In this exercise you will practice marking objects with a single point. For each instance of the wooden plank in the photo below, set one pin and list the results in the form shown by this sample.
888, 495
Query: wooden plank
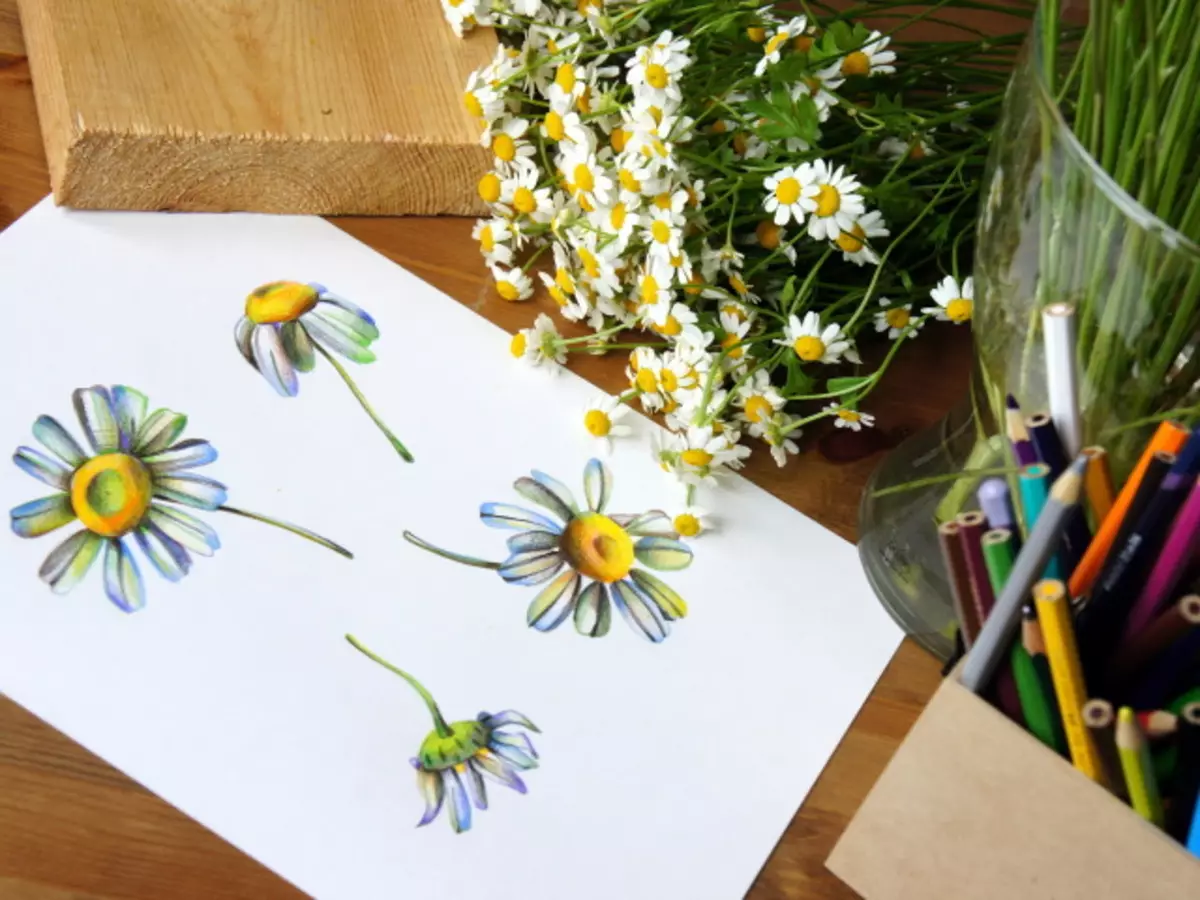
266, 105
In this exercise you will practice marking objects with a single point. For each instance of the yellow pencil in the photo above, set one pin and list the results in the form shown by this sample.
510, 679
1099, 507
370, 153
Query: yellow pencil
1134, 751
1054, 614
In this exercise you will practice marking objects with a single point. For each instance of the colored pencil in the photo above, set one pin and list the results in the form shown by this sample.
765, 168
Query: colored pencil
1034, 482
1047, 443
1169, 438
1098, 484
992, 644
1062, 378
1034, 646
1018, 435
1054, 613
1157, 723
1193, 838
996, 502
1155, 638
1178, 550
1186, 783
1192, 695
1100, 720
960, 583
998, 555
1138, 768
970, 535
1156, 470
1049, 446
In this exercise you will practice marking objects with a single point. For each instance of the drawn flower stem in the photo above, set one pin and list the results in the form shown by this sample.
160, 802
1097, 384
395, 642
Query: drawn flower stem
439, 723
287, 526
358, 395
446, 554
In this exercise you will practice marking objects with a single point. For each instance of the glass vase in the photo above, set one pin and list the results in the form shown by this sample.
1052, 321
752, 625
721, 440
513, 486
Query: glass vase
1053, 228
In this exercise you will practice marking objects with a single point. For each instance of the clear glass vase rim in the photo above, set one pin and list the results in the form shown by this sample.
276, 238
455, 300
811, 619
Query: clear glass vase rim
1120, 198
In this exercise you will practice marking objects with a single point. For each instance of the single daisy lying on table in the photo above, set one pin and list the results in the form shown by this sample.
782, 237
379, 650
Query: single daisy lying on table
134, 485
287, 324
594, 549
455, 757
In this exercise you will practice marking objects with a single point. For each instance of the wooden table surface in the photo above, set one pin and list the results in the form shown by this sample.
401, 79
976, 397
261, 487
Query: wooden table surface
74, 828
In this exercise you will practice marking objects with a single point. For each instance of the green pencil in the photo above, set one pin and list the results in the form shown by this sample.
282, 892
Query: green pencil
1035, 688
998, 556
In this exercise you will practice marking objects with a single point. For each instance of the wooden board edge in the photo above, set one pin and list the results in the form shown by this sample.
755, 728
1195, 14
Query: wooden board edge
49, 90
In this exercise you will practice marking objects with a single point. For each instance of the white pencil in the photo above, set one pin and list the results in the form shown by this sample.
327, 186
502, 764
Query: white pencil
1062, 380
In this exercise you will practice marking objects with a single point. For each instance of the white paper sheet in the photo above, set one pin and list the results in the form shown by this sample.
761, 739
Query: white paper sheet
667, 770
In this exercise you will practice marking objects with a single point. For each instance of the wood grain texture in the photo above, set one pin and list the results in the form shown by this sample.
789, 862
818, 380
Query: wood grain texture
73, 828
270, 105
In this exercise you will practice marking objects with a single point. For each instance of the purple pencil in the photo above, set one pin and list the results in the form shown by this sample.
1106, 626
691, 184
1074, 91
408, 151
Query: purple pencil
1181, 544
1018, 434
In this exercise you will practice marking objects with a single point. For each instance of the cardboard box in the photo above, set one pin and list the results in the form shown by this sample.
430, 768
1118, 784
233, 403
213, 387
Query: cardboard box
972, 806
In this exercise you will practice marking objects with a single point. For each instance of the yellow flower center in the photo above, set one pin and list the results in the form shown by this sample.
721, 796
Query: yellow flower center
616, 217
487, 240
504, 147
585, 204
564, 280
582, 6
663, 200
557, 295
897, 317
686, 525
518, 344
489, 187
851, 241
279, 301
719, 127
660, 231
111, 493
524, 201
564, 77
856, 63
584, 101
809, 348
740, 143
775, 43
508, 290
657, 76
656, 114
629, 182
646, 380
597, 547
554, 126
738, 285
917, 151
695, 285
583, 178
590, 263
597, 422
474, 107
697, 458
829, 200
959, 310
730, 343
758, 408
803, 43
767, 233
756, 33
848, 415
618, 139
649, 290
735, 310
671, 327
670, 381
787, 191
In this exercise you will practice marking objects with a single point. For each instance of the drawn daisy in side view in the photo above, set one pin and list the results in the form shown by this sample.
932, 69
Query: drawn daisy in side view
597, 552
287, 324
132, 488
456, 756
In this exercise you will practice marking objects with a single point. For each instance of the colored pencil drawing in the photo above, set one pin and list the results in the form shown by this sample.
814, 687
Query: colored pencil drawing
133, 485
593, 548
288, 324
456, 756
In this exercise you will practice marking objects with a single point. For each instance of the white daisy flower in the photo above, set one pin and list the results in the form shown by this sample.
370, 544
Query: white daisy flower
570, 80
567, 129
495, 237
636, 180
785, 191
892, 148
520, 194
770, 236
601, 420
758, 400
732, 341
832, 199
724, 260
664, 449
654, 71
895, 320
819, 88
652, 287
812, 344
663, 233
853, 243
512, 284
692, 522
587, 179
616, 220
540, 344
777, 436
748, 145
507, 143
670, 319
845, 417
955, 302
464, 15
773, 46
872, 59
703, 455
482, 100
597, 263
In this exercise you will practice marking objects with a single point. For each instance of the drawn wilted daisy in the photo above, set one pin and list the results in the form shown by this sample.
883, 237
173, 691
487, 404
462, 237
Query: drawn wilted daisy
456, 756
134, 485
288, 323
595, 549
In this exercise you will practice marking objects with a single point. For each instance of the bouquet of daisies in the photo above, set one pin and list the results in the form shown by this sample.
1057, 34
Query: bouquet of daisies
751, 190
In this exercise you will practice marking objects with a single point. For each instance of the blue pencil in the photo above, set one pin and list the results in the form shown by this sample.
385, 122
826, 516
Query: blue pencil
1193, 841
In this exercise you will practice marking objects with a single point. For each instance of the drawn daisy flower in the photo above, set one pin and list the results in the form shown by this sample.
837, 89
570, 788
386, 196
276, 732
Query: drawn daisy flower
287, 324
132, 488
813, 344
784, 194
832, 200
587, 557
601, 420
955, 303
456, 756
845, 417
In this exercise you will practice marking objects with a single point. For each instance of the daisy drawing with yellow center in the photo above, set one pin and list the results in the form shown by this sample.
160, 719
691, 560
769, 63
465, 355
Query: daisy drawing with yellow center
287, 325
848, 417
955, 302
456, 757
586, 557
784, 199
812, 343
602, 421
131, 487
832, 199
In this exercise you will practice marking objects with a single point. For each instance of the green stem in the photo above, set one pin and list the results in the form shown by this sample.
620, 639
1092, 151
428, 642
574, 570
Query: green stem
287, 526
362, 401
447, 554
439, 722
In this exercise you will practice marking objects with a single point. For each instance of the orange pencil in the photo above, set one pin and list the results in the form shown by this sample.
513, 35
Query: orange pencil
1169, 438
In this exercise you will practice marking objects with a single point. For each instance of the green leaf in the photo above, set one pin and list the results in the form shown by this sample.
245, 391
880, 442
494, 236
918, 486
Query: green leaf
788, 293
798, 381
844, 37
846, 383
